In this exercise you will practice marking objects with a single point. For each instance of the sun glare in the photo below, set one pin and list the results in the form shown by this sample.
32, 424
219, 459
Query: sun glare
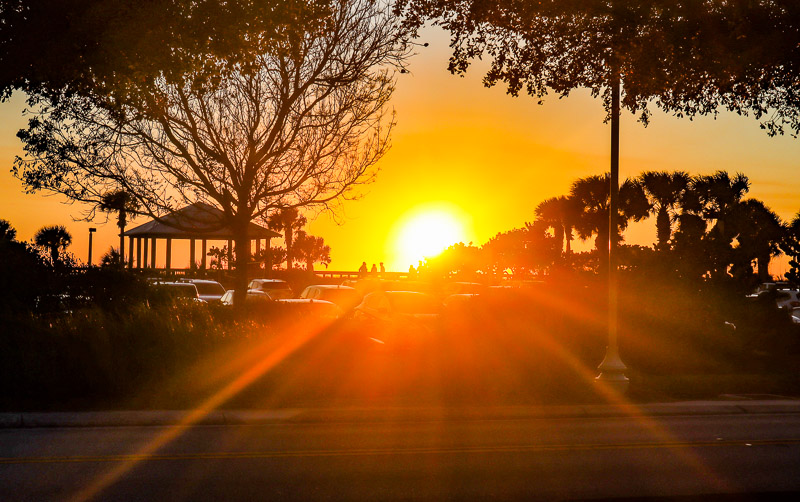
426, 232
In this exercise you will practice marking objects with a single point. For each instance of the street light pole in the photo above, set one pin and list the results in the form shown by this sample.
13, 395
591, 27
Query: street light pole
612, 369
92, 230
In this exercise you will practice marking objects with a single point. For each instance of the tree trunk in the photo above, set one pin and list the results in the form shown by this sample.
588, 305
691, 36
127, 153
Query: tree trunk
663, 229
121, 222
287, 235
763, 267
122, 245
568, 238
559, 234
241, 239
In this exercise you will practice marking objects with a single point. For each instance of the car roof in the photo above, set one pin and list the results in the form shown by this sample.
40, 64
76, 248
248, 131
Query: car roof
402, 293
331, 286
304, 300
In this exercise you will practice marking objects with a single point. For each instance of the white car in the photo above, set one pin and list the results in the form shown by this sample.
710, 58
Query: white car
343, 296
252, 295
209, 291
274, 288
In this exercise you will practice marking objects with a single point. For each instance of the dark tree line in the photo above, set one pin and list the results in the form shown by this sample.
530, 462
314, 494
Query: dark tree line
706, 227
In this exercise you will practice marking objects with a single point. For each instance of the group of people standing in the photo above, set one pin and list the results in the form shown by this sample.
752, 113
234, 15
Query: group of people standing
363, 268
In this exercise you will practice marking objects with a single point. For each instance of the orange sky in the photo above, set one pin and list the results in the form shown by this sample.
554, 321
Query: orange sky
483, 155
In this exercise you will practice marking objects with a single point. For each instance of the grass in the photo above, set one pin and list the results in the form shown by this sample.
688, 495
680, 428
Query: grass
535, 346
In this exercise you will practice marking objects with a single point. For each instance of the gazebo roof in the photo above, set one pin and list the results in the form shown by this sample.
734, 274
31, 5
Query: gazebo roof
195, 221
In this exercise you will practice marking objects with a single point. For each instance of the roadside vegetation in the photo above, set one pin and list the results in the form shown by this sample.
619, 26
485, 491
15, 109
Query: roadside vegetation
101, 337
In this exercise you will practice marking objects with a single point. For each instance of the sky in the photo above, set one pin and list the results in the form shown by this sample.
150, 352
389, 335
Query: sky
475, 159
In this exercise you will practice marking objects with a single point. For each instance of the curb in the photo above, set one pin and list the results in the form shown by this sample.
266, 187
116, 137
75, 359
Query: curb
26, 420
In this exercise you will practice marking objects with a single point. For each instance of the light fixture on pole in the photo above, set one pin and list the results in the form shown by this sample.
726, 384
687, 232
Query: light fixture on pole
92, 230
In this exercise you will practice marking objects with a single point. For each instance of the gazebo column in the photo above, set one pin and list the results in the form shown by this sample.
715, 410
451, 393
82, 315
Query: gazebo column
230, 253
203, 259
138, 252
153, 253
192, 264
268, 258
169, 253
146, 262
130, 252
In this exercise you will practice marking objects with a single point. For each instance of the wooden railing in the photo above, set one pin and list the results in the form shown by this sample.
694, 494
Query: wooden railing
347, 274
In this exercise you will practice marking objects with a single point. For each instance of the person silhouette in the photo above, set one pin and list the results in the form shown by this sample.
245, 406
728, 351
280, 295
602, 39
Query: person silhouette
383, 269
363, 268
373, 269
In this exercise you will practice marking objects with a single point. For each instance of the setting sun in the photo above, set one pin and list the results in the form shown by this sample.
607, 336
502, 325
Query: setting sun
427, 231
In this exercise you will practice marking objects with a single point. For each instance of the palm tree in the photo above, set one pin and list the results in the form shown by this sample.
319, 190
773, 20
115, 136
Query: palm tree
560, 214
760, 233
664, 191
719, 197
791, 247
123, 203
592, 196
312, 249
287, 221
54, 239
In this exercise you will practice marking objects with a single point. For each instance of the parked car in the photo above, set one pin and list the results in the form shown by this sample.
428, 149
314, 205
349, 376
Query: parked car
276, 289
795, 315
252, 295
209, 291
769, 286
787, 298
345, 297
308, 307
463, 288
181, 290
398, 319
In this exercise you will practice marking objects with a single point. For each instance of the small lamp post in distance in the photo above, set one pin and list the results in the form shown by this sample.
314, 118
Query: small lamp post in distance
92, 230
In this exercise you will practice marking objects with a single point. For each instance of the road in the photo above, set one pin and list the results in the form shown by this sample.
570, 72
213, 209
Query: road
426, 459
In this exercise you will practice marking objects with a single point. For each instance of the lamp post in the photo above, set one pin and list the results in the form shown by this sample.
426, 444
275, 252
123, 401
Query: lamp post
92, 230
612, 369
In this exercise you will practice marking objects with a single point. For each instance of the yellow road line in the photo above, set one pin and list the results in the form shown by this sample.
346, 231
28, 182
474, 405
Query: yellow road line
392, 451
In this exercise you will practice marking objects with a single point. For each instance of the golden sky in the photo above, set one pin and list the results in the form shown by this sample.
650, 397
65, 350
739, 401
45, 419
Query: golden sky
484, 157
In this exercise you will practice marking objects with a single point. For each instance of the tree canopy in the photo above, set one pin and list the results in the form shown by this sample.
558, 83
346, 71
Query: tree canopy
689, 57
110, 49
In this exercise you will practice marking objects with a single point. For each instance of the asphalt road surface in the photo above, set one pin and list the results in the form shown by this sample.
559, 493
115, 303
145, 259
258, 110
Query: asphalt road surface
740, 457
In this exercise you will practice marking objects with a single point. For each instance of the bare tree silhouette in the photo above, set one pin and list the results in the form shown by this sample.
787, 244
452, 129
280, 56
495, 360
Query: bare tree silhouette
301, 123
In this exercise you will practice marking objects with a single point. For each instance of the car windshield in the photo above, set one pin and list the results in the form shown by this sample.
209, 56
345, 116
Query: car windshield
208, 288
272, 285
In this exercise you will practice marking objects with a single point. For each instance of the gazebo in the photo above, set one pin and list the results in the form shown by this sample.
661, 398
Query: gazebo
198, 221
